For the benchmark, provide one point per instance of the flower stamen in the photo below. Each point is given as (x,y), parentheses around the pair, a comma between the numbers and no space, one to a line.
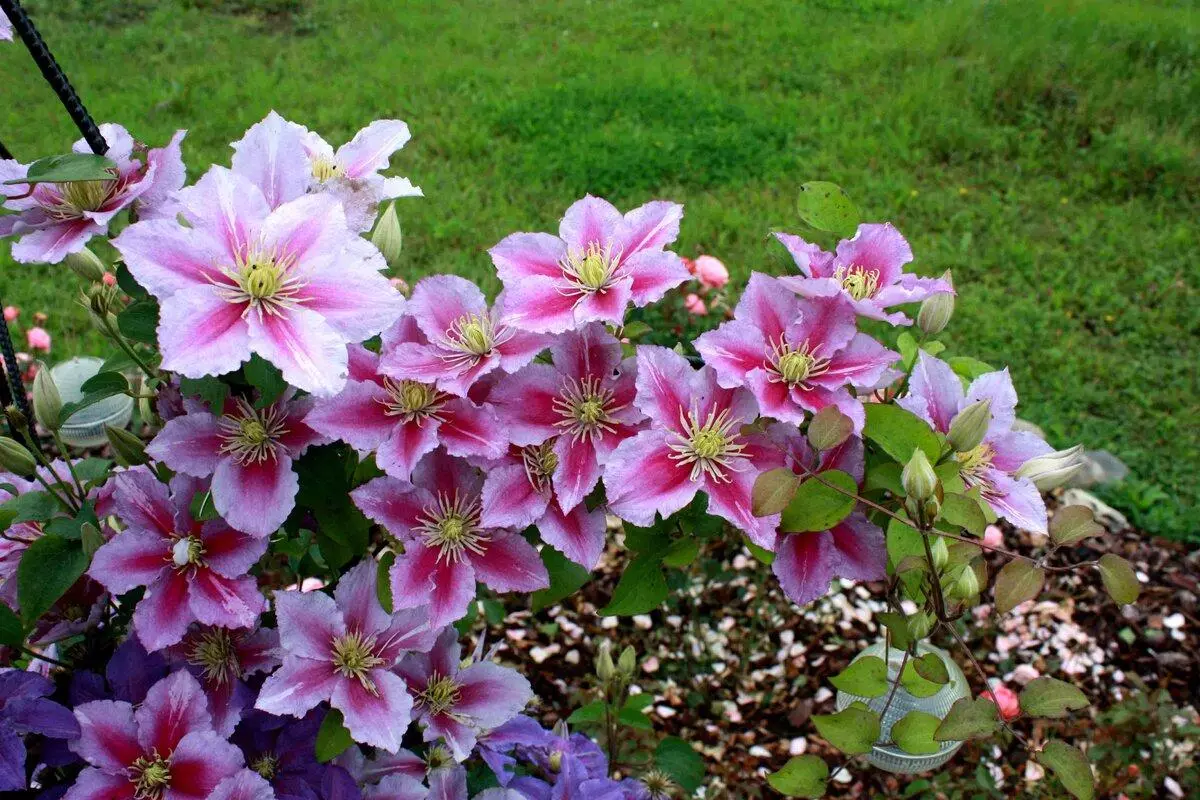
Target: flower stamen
(441,694)
(540,462)
(452,526)
(413,401)
(251,435)
(354,657)
(711,447)
(215,653)
(590,271)
(150,776)
(858,282)
(795,365)
(262,280)
(586,408)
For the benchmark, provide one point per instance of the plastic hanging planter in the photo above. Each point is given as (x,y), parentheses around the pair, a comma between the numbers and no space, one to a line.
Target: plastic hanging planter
(85,428)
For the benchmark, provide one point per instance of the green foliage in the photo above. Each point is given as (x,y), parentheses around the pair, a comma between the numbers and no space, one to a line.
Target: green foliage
(680,760)
(827,207)
(1018,581)
(801,776)
(817,506)
(773,490)
(566,577)
(266,378)
(332,737)
(325,482)
(968,718)
(864,677)
(914,733)
(916,684)
(900,432)
(139,321)
(853,730)
(1069,766)
(49,567)
(12,632)
(1120,581)
(1071,524)
(1051,698)
(68,168)
(642,588)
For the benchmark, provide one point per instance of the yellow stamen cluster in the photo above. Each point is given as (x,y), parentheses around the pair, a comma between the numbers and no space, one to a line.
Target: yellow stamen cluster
(591,270)
(859,282)
(794,365)
(586,408)
(412,400)
(150,776)
(709,447)
(441,694)
(540,462)
(215,652)
(251,434)
(354,657)
(451,525)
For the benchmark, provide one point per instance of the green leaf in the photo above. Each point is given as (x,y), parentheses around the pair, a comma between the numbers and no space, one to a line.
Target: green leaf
(1072,524)
(93,469)
(642,588)
(681,553)
(108,388)
(31,507)
(827,207)
(1051,698)
(68,168)
(680,760)
(127,283)
(265,377)
(885,476)
(12,632)
(633,717)
(1071,767)
(762,554)
(566,578)
(969,368)
(801,776)
(968,718)
(635,330)
(1120,581)
(828,428)
(1018,581)
(817,507)
(209,389)
(897,625)
(49,567)
(652,541)
(772,491)
(964,511)
(907,345)
(933,347)
(383,580)
(914,733)
(591,713)
(916,684)
(900,432)
(931,667)
(332,737)
(865,677)
(111,382)
(853,730)
(139,321)
(342,530)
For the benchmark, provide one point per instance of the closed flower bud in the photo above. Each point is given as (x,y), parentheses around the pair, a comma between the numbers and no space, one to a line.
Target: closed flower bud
(937,309)
(86,265)
(966,585)
(15,458)
(969,426)
(91,537)
(128,449)
(47,403)
(627,663)
(387,236)
(16,418)
(941,553)
(605,669)
(918,478)
(1053,469)
(920,624)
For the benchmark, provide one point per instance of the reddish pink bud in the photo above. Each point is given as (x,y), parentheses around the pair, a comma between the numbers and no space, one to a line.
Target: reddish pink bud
(11,313)
(711,272)
(1006,701)
(695,305)
(38,339)
(109,279)
(993,537)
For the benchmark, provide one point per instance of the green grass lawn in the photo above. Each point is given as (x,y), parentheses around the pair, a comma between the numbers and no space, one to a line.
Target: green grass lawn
(1046,151)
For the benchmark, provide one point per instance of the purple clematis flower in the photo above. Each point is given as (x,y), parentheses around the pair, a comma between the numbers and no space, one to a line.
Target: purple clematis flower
(463,339)
(192,571)
(458,704)
(340,649)
(795,355)
(447,548)
(283,751)
(867,269)
(403,420)
(936,396)
(249,453)
(853,549)
(598,264)
(243,785)
(695,443)
(57,219)
(26,708)
(166,748)
(221,659)
(293,284)
(286,160)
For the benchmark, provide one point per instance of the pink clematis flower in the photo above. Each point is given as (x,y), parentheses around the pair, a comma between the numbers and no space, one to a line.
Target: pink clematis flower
(598,264)
(853,549)
(695,443)
(867,269)
(294,285)
(165,748)
(286,160)
(447,548)
(58,219)
(342,649)
(221,659)
(243,785)
(248,452)
(795,355)
(6,31)
(936,396)
(458,704)
(463,340)
(402,420)
(192,571)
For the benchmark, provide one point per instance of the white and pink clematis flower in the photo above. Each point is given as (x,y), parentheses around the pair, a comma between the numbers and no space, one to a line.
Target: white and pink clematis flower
(458,704)
(293,284)
(221,659)
(463,340)
(867,269)
(57,219)
(936,395)
(193,571)
(165,748)
(341,649)
(795,355)
(599,263)
(447,547)
(249,453)
(695,443)
(401,420)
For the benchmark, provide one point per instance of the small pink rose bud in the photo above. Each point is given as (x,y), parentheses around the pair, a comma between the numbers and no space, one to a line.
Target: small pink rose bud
(38,339)
(11,313)
(711,272)
(1006,701)
(109,279)
(993,537)
(695,305)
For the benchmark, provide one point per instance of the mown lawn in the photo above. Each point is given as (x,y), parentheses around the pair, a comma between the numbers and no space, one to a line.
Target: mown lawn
(1046,151)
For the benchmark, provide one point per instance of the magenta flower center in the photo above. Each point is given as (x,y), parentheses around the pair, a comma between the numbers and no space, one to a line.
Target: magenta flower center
(540,462)
(590,271)
(150,776)
(586,408)
(710,447)
(76,197)
(441,694)
(450,525)
(251,435)
(215,653)
(262,280)
(858,282)
(413,401)
(795,365)
(972,463)
(354,657)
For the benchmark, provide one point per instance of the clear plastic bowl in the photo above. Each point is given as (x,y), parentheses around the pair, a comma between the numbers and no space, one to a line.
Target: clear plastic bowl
(86,427)
(888,756)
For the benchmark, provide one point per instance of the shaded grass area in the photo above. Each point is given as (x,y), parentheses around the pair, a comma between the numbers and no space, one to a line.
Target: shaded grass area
(1046,151)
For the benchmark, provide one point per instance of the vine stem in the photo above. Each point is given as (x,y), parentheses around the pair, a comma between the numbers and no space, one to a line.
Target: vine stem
(35,654)
(117,337)
(983,677)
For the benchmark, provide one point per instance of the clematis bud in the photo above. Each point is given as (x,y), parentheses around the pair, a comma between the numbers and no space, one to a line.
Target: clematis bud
(128,449)
(86,265)
(15,458)
(47,403)
(387,235)
(969,426)
(966,585)
(920,624)
(937,309)
(605,669)
(627,663)
(16,418)
(941,553)
(918,478)
(1053,469)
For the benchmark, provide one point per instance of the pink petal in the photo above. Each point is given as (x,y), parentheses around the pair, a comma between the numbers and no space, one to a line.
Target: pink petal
(419,362)
(491,695)
(306,349)
(804,565)
(408,632)
(53,243)
(271,155)
(510,500)
(397,787)
(522,255)
(1014,448)
(510,564)
(308,623)
(878,247)
(591,220)
(815,398)
(199,764)
(663,385)
(860,549)
(395,504)
(297,687)
(641,479)
(998,388)
(812,261)
(92,784)
(174,707)
(400,453)
(356,416)
(654,274)
(163,615)
(255,498)
(421,576)
(165,257)
(1015,499)
(130,559)
(439,301)
(358,303)
(731,501)
(861,363)
(201,334)
(605,306)
(934,392)
(377,719)
(372,147)
(364,365)
(358,598)
(190,444)
(142,503)
(579,535)
(225,602)
(768,307)
(826,323)
(108,735)
(226,206)
(525,401)
(733,350)
(244,785)
(590,352)
(520,347)
(540,304)
(471,430)
(578,470)
(648,227)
